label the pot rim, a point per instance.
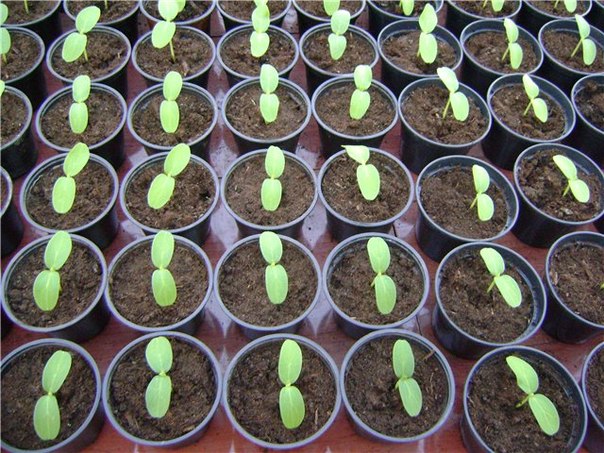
(239, 21)
(576, 90)
(108, 23)
(584, 370)
(39, 19)
(476, 17)
(191, 21)
(28, 116)
(9, 190)
(372, 5)
(353, 15)
(551, 17)
(41, 54)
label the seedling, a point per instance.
(47, 415)
(331, 6)
(269, 102)
(483, 202)
(497, 5)
(457, 100)
(576, 186)
(541, 406)
(162, 281)
(2, 87)
(538, 104)
(291, 401)
(428, 47)
(275, 276)
(336, 39)
(368, 177)
(78, 112)
(513, 49)
(169, 113)
(75, 44)
(271, 191)
(570, 5)
(26, 6)
(407, 7)
(360, 99)
(47, 284)
(589, 47)
(507, 286)
(385, 289)
(259, 39)
(164, 30)
(64, 189)
(403, 363)
(162, 186)
(5, 40)
(159, 391)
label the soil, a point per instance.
(193, 194)
(242, 9)
(80, 281)
(193, 8)
(576, 272)
(478, 8)
(562, 44)
(243, 113)
(393, 6)
(94, 188)
(104, 116)
(341, 190)
(254, 388)
(356, 297)
(370, 385)
(333, 107)
(423, 109)
(493, 395)
(358, 51)
(595, 384)
(243, 273)
(115, 9)
(488, 47)
(317, 9)
(245, 184)
(22, 387)
(22, 56)
(543, 183)
(193, 392)
(590, 101)
(560, 11)
(508, 104)
(37, 9)
(14, 115)
(484, 315)
(447, 196)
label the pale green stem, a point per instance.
(505, 54)
(474, 202)
(524, 400)
(576, 48)
(26, 6)
(106, 4)
(566, 190)
(4, 57)
(556, 4)
(85, 54)
(491, 286)
(447, 107)
(172, 52)
(527, 107)
(484, 4)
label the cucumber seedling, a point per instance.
(274, 164)
(158, 354)
(276, 280)
(532, 91)
(513, 49)
(385, 289)
(569, 5)
(261, 20)
(162, 281)
(406, 7)
(368, 177)
(78, 111)
(5, 39)
(64, 189)
(331, 6)
(75, 44)
(483, 202)
(162, 186)
(269, 102)
(589, 47)
(360, 99)
(457, 100)
(427, 47)
(164, 30)
(576, 186)
(169, 113)
(507, 286)
(497, 5)
(403, 363)
(47, 284)
(340, 20)
(291, 401)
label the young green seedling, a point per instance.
(496, 4)
(340, 20)
(78, 112)
(162, 281)
(569, 5)
(576, 186)
(538, 104)
(589, 47)
(507, 286)
(159, 391)
(164, 30)
(457, 100)
(407, 6)
(259, 39)
(403, 363)
(47, 284)
(47, 416)
(5, 40)
(162, 186)
(275, 276)
(271, 191)
(331, 6)
(169, 113)
(385, 289)
(291, 401)
(360, 99)
(64, 189)
(483, 202)
(368, 176)
(428, 47)
(269, 102)
(541, 406)
(75, 44)
(513, 49)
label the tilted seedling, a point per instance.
(360, 99)
(497, 5)
(428, 47)
(162, 186)
(457, 100)
(483, 202)
(47, 284)
(164, 30)
(162, 281)
(403, 363)
(78, 111)
(532, 91)
(569, 5)
(261, 20)
(75, 44)
(291, 401)
(507, 286)
(5, 40)
(159, 390)
(368, 177)
(64, 189)
(385, 289)
(340, 20)
(513, 49)
(169, 113)
(276, 280)
(407, 6)
(274, 164)
(541, 406)
(47, 415)
(269, 102)
(589, 47)
(331, 6)
(576, 186)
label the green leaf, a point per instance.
(566, 166)
(516, 55)
(509, 289)
(428, 19)
(428, 48)
(259, 43)
(63, 194)
(511, 30)
(270, 247)
(385, 293)
(403, 361)
(582, 26)
(162, 34)
(530, 87)
(168, 9)
(57, 250)
(78, 117)
(485, 207)
(362, 77)
(3, 13)
(290, 362)
(73, 47)
(56, 371)
(340, 21)
(158, 395)
(379, 254)
(589, 52)
(2, 87)
(47, 417)
(177, 160)
(5, 40)
(87, 19)
(291, 407)
(540, 109)
(497, 5)
(331, 6)
(276, 283)
(460, 106)
(580, 190)
(181, 4)
(407, 7)
(493, 261)
(162, 249)
(411, 395)
(261, 19)
(337, 46)
(448, 78)
(47, 286)
(80, 90)
(358, 153)
(160, 191)
(158, 354)
(164, 287)
(269, 78)
(546, 413)
(570, 5)
(526, 377)
(172, 86)
(481, 178)
(359, 104)
(368, 179)
(270, 194)
(169, 115)
(274, 162)
(269, 107)
(76, 159)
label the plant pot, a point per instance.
(491, 387)
(309, 14)
(130, 296)
(320, 390)
(365, 381)
(338, 184)
(179, 215)
(47, 24)
(358, 315)
(80, 313)
(196, 382)
(540, 228)
(197, 120)
(104, 133)
(478, 68)
(588, 135)
(194, 13)
(235, 13)
(475, 321)
(589, 377)
(459, 17)
(12, 226)
(536, 13)
(424, 142)
(79, 397)
(382, 13)
(284, 132)
(572, 314)
(7, 324)
(503, 144)
(255, 315)
(119, 15)
(240, 195)
(596, 14)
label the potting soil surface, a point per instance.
(37, 9)
(358, 51)
(558, 8)
(192, 9)
(488, 47)
(242, 9)
(22, 56)
(484, 9)
(317, 9)
(402, 50)
(562, 45)
(114, 9)
(14, 115)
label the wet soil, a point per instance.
(192, 9)
(14, 115)
(22, 56)
(478, 8)
(401, 49)
(37, 9)
(358, 51)
(488, 48)
(562, 44)
(393, 6)
(115, 9)
(560, 9)
(242, 9)
(317, 9)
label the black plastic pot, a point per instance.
(586, 137)
(433, 239)
(465, 345)
(231, 22)
(458, 18)
(534, 226)
(417, 151)
(12, 226)
(47, 27)
(87, 324)
(127, 24)
(596, 14)
(201, 22)
(6, 325)
(594, 439)
(503, 145)
(352, 326)
(379, 18)
(599, 224)
(533, 18)
(307, 20)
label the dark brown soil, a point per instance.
(22, 387)
(595, 384)
(193, 8)
(193, 194)
(116, 9)
(488, 47)
(243, 273)
(22, 56)
(577, 271)
(492, 400)
(370, 385)
(349, 284)
(245, 183)
(104, 116)
(358, 51)
(486, 316)
(342, 193)
(477, 8)
(94, 188)
(509, 104)
(590, 101)
(401, 49)
(193, 392)
(14, 115)
(543, 183)
(423, 109)
(561, 45)
(37, 9)
(243, 113)
(393, 6)
(333, 107)
(242, 9)
(560, 11)
(447, 196)
(317, 9)
(254, 394)
(80, 280)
